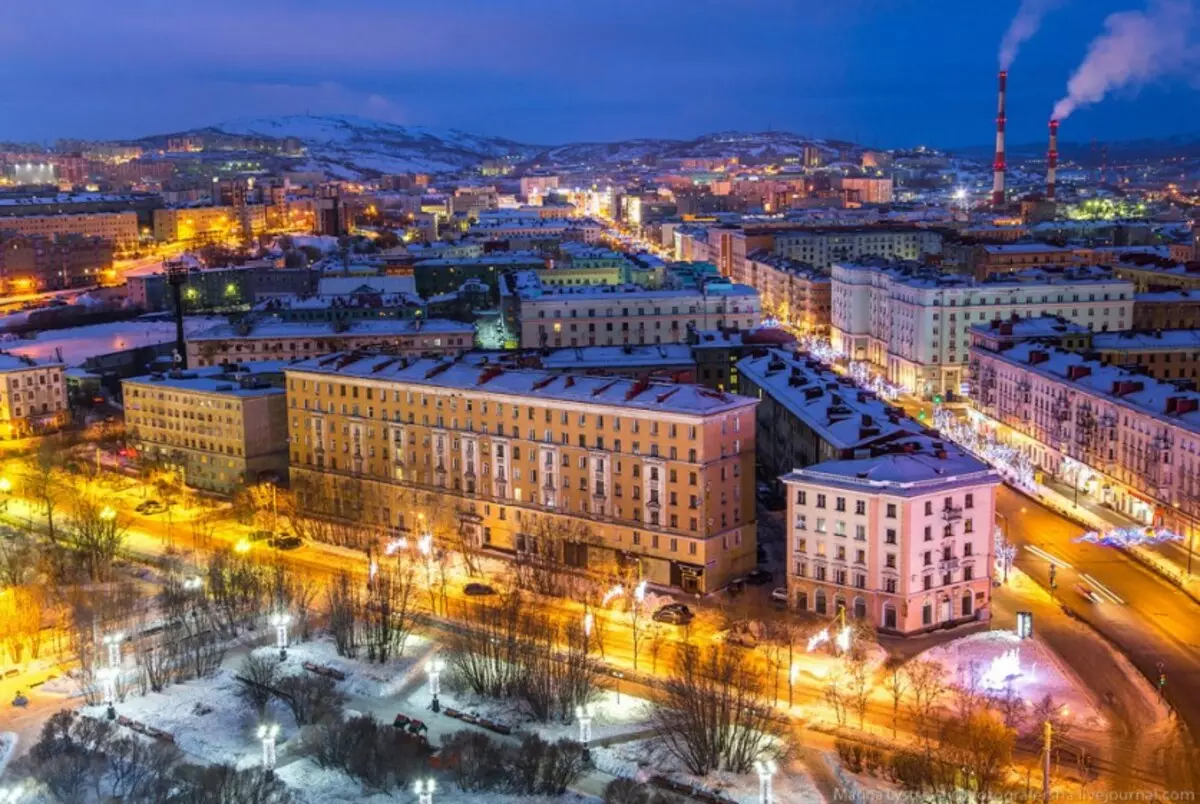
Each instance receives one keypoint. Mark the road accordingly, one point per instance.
(1148, 618)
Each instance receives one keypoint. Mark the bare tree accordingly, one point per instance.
(156, 664)
(835, 695)
(291, 593)
(858, 687)
(895, 681)
(235, 587)
(927, 680)
(484, 653)
(553, 548)
(982, 747)
(389, 612)
(344, 608)
(258, 675)
(312, 699)
(550, 683)
(1010, 704)
(224, 784)
(712, 714)
(96, 533)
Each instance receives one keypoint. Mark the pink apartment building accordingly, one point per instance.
(900, 535)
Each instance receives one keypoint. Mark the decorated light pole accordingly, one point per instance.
(424, 789)
(434, 668)
(267, 732)
(280, 621)
(766, 771)
(585, 714)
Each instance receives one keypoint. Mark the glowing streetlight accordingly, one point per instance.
(267, 732)
(11, 794)
(425, 545)
(5, 485)
(108, 514)
(395, 546)
(589, 621)
(280, 621)
(843, 639)
(193, 583)
(424, 789)
(434, 668)
(818, 638)
(108, 686)
(612, 593)
(766, 770)
(585, 714)
(242, 546)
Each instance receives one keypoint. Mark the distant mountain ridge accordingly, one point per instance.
(354, 147)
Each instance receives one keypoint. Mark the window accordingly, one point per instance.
(891, 510)
(969, 501)
(889, 585)
(928, 533)
(820, 524)
(802, 545)
(967, 549)
(928, 558)
(889, 561)
(890, 536)
(968, 573)
(839, 504)
(801, 522)
(820, 500)
(801, 497)
(860, 507)
(928, 508)
(928, 583)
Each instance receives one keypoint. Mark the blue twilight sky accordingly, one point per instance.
(883, 72)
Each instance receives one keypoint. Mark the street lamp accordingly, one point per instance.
(589, 621)
(434, 668)
(843, 639)
(424, 789)
(280, 621)
(584, 715)
(108, 684)
(766, 770)
(108, 514)
(267, 732)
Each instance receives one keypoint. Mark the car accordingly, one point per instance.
(478, 590)
(285, 542)
(1087, 593)
(779, 594)
(674, 613)
(759, 577)
(151, 507)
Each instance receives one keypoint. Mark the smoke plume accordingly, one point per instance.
(1023, 26)
(1136, 47)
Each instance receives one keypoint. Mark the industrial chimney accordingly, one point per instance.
(1052, 161)
(999, 165)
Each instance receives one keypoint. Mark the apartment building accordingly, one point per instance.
(33, 396)
(614, 316)
(36, 262)
(635, 475)
(1166, 309)
(208, 223)
(997, 259)
(866, 189)
(1138, 437)
(270, 339)
(912, 323)
(792, 292)
(119, 228)
(901, 537)
(807, 413)
(821, 248)
(717, 352)
(1172, 354)
(1150, 274)
(223, 428)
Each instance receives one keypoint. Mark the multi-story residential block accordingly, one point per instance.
(821, 248)
(911, 322)
(808, 414)
(1166, 309)
(998, 334)
(604, 472)
(446, 274)
(1152, 273)
(208, 224)
(793, 293)
(717, 352)
(224, 428)
(614, 316)
(997, 259)
(119, 228)
(259, 339)
(866, 189)
(38, 262)
(1173, 354)
(1138, 437)
(33, 396)
(901, 537)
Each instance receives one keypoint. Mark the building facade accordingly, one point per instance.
(1164, 355)
(224, 429)
(911, 323)
(33, 396)
(1168, 309)
(793, 293)
(31, 263)
(901, 538)
(119, 228)
(606, 473)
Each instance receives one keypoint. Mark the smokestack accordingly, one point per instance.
(999, 165)
(1052, 161)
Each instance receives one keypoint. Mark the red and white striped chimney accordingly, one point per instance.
(999, 165)
(1052, 161)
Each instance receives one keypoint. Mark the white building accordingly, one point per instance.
(821, 248)
(911, 322)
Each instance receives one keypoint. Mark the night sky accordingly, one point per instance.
(882, 72)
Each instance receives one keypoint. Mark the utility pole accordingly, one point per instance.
(177, 275)
(1047, 737)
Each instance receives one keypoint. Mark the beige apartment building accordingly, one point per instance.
(224, 429)
(205, 224)
(610, 475)
(120, 228)
(33, 396)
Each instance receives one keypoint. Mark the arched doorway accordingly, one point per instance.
(820, 599)
(968, 604)
(889, 616)
(802, 600)
(947, 609)
(927, 613)
(860, 608)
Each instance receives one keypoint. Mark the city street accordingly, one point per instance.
(1148, 618)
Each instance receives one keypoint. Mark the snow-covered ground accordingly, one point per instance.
(994, 655)
(643, 759)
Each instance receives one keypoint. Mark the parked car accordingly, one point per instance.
(779, 594)
(759, 577)
(287, 541)
(478, 590)
(150, 507)
(674, 613)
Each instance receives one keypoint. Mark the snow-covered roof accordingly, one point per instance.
(219, 380)
(274, 328)
(840, 412)
(17, 362)
(910, 466)
(1031, 327)
(79, 344)
(584, 358)
(348, 285)
(1157, 340)
(467, 377)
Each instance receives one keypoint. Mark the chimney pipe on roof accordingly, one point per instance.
(1052, 161)
(999, 165)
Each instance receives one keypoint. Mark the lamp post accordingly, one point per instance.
(108, 686)
(267, 732)
(280, 621)
(766, 770)
(434, 668)
(584, 715)
(424, 789)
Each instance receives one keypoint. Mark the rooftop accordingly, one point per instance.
(1031, 327)
(907, 466)
(13, 362)
(245, 381)
(586, 358)
(726, 338)
(349, 285)
(75, 345)
(272, 327)
(1159, 339)
(833, 406)
(473, 379)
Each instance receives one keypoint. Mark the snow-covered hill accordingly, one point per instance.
(750, 148)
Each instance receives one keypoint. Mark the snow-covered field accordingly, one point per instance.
(994, 655)
(643, 759)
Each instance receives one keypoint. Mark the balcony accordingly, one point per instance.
(951, 513)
